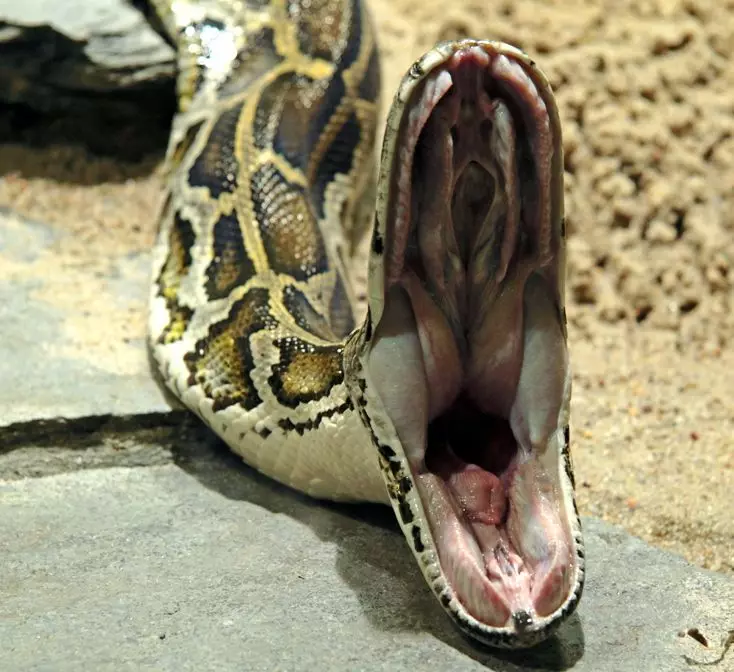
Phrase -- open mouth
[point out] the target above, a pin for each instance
(469, 355)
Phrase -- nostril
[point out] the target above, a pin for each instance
(454, 135)
(522, 620)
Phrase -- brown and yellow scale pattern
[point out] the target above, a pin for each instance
(270, 156)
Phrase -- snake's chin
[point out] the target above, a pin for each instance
(469, 355)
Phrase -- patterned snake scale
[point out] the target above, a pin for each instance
(451, 400)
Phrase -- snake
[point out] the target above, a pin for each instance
(448, 396)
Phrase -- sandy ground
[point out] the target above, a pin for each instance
(644, 89)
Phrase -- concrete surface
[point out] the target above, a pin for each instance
(199, 563)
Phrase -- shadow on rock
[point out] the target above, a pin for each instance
(372, 557)
(75, 147)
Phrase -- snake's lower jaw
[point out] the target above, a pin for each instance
(468, 355)
(494, 496)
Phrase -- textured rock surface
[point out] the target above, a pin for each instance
(57, 54)
(206, 565)
(92, 72)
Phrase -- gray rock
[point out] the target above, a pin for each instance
(207, 565)
(48, 368)
(100, 54)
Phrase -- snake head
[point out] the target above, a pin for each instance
(462, 370)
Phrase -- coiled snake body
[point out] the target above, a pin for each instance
(451, 400)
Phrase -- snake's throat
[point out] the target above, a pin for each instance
(469, 355)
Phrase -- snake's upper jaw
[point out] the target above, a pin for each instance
(468, 356)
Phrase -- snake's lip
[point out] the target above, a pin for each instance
(508, 583)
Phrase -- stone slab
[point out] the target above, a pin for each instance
(206, 565)
(49, 367)
(57, 52)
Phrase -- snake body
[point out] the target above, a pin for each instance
(450, 401)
